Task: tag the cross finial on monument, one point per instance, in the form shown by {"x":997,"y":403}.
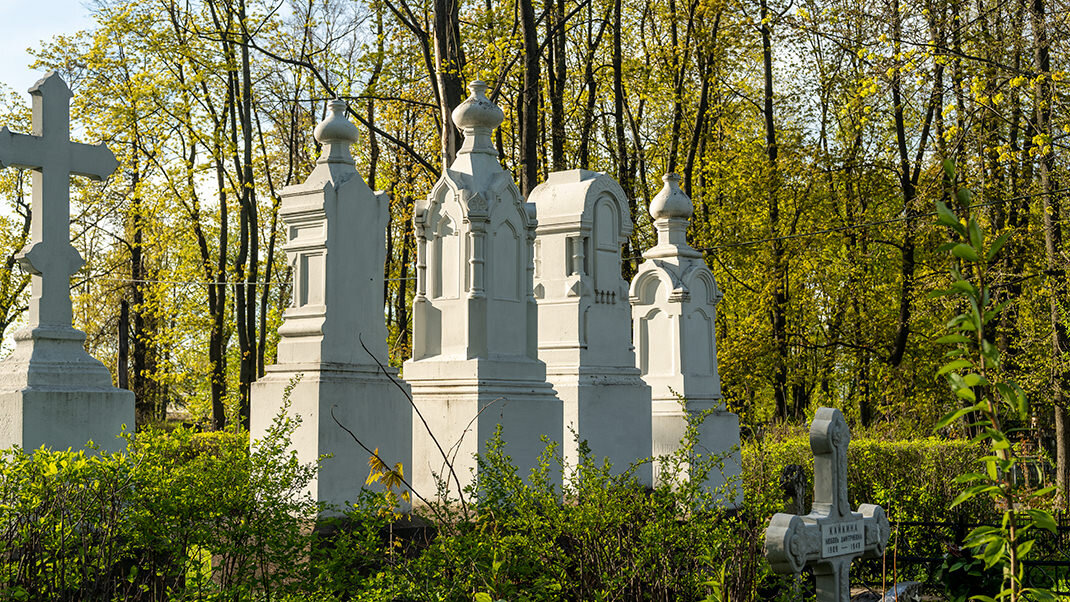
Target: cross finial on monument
{"x":48,"y":151}
{"x":831,"y":536}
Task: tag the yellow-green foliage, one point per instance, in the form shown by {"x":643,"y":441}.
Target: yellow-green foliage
{"x":913,"y":480}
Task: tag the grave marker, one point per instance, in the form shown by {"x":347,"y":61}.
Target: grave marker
{"x":831,"y":536}
{"x":333,"y":335}
{"x":52,"y":392}
{"x":585,"y":318}
{"x":674,"y":311}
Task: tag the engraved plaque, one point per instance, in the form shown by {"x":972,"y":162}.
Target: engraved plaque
{"x":840,"y":539}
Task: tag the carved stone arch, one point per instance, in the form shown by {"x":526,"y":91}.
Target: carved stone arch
{"x":645,"y":285}
{"x":710,"y":292}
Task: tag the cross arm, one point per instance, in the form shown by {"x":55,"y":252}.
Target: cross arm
{"x":19,"y":150}
{"x":877,"y":529}
{"x":94,"y":161}
{"x":791,"y":543}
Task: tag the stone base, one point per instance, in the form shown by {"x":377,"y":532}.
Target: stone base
{"x":61,"y":418}
{"x":463,"y":415}
{"x":362,"y":398}
{"x":54,"y":394}
{"x":718,"y":435}
{"x":611,"y":412}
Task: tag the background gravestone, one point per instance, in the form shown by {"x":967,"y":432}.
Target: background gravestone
{"x":475,"y":357}
{"x":674,"y":309}
{"x":832,"y":535}
{"x":585,"y":318}
{"x":333,"y":336}
{"x":52,"y":392}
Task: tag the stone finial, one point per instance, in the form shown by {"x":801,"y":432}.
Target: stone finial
{"x":671,"y":202}
{"x":336,"y":133}
{"x":671,"y":209}
{"x":477,"y":117}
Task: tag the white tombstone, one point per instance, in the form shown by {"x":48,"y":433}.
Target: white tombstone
{"x":333,"y":336}
{"x":831,"y":536}
{"x":585,"y":318}
{"x":674,"y":309}
{"x":475,"y":358}
{"x":52,"y":392}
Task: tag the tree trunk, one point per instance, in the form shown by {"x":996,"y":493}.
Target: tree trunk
{"x":778,"y":312}
{"x":529,"y":101}
{"x":449,"y":67}
{"x":1053,"y":247}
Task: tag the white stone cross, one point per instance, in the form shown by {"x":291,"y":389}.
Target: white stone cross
{"x":50,"y":258}
{"x":831,"y":536}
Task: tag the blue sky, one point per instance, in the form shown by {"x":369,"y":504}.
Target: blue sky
{"x":27,"y":22}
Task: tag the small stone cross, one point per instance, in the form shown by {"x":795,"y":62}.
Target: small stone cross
{"x":50,"y":258}
{"x":831,"y":536}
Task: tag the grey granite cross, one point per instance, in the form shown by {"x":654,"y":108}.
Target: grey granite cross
{"x":50,"y":258}
{"x":831,"y":536}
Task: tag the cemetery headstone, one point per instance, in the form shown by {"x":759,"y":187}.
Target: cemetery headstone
{"x":475,"y":323}
{"x":585,"y":318}
{"x":832,"y":535}
{"x":674,"y":311}
{"x":333,"y":336}
{"x":52,"y":392}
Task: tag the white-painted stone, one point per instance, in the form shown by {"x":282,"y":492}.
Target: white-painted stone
{"x":585,"y":318}
{"x":52,"y":392}
{"x":475,"y":358}
{"x":333,"y":336}
{"x":674,"y":310}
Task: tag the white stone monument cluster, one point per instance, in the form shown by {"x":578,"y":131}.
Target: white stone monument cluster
{"x":521,"y":319}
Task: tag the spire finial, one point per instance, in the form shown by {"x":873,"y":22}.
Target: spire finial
{"x":477,"y":117}
{"x":336,"y":133}
{"x":671,"y":202}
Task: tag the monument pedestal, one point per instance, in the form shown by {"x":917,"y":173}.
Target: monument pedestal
{"x":610,"y":410}
{"x":463,"y":402}
{"x":361,"y":398}
{"x":54,"y":394}
{"x":718,"y":435}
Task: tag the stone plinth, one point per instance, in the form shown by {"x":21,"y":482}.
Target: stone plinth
{"x":53,"y":393}
{"x":333,"y":336}
{"x":475,"y":361}
{"x":674,"y":310}
{"x":585,"y":318}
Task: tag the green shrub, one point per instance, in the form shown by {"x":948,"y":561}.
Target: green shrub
{"x":912,"y":480}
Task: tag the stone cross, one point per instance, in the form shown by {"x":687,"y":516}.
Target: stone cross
{"x":48,"y":151}
{"x":831,"y":536}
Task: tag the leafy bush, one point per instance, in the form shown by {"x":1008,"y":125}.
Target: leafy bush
{"x":186,"y":515}
{"x":177,"y":515}
{"x":912,"y":480}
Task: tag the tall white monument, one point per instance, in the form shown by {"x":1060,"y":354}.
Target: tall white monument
{"x":674,"y":309}
{"x":585,"y":318}
{"x":333,"y":336}
{"x":52,"y":392}
{"x":475,"y":361}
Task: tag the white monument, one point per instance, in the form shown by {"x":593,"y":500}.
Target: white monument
{"x":52,"y":392}
{"x":333,"y":336}
{"x":475,"y":361}
{"x":831,"y":536}
{"x":585,"y":318}
{"x":674,"y":309}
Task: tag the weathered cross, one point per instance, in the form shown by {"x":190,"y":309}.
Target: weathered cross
{"x":50,"y":258}
{"x":831,"y":536}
